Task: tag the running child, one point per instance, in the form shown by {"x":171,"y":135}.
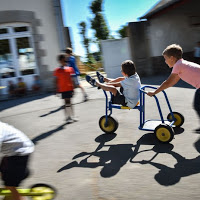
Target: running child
{"x":129,"y":85}
{"x":71,"y":62}
{"x":64,"y":85}
{"x":182,"y":69}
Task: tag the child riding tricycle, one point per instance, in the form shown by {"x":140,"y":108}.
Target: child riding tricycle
{"x":163,"y":128}
{"x":132,"y":96}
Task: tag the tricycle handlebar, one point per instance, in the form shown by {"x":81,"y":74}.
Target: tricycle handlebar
{"x":142,"y":89}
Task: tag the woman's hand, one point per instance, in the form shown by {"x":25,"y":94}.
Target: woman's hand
{"x":150,"y":94}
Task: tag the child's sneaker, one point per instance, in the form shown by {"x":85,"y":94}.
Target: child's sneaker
{"x":90,"y":80}
{"x":100,"y":77}
{"x":69,"y":120}
{"x":85,"y":97}
{"x":75,"y":119}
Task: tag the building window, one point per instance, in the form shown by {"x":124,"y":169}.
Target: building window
{"x":7,"y":68}
{"x":21,"y":29}
{"x":3,"y":30}
{"x":17,"y":56}
{"x":26,"y":56}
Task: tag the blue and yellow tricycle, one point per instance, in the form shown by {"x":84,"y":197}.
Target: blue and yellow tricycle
{"x":163,"y":128}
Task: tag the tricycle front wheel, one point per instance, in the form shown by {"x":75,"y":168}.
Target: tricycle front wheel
{"x":164,"y":133}
{"x":109,"y":126}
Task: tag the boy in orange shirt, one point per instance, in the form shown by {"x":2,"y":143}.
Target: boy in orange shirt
{"x":64,"y":85}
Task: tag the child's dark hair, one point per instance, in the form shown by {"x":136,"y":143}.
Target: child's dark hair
{"x":128,"y":67}
{"x":61,"y":56}
{"x":68,"y":50}
{"x":173,"y":50}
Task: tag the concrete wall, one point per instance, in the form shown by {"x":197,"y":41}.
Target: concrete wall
{"x":174,"y":26}
{"x":114,"y":53}
{"x":139,"y":46}
{"x":179,"y":24}
{"x":42,"y":16}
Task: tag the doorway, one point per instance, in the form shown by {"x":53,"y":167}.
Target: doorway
{"x":17,"y":55}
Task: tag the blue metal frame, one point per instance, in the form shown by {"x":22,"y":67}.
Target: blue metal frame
{"x":140,"y":107}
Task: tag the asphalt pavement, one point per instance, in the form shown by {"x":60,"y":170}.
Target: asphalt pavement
{"x":83,"y":163}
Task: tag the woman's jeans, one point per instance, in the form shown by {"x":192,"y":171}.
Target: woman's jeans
{"x":197,"y":101}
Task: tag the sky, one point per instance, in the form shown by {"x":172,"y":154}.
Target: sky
{"x":116,"y":13}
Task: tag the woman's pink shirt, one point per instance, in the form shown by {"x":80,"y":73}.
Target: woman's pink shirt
{"x":188,"y":72}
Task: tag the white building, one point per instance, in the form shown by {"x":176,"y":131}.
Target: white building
{"x":31,"y":36}
{"x":168,"y":22}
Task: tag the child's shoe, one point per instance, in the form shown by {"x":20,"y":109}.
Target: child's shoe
{"x":90,"y":80}
{"x":85,"y":97}
{"x":75,"y":119}
{"x":100,"y":77}
{"x":69,"y":120}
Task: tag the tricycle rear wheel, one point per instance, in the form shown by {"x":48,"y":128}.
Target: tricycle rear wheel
{"x":179,"y":118}
{"x":164,"y":133}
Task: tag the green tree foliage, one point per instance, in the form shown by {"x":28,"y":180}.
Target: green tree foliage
{"x":98,"y":23}
{"x":123,"y":32}
{"x":96,"y":6}
{"x":86,"y":40}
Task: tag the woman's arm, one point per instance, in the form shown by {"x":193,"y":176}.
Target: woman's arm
{"x":172,"y":80}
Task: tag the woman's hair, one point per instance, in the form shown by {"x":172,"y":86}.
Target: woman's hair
{"x":68,"y":50}
{"x":128,"y":67}
{"x":173,"y":50}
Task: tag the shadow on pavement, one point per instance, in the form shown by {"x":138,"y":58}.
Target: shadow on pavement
{"x":49,"y":133}
{"x":118,"y":155}
{"x":105,"y":157}
{"x":170,"y":175}
{"x":58,"y":109}
{"x":53,"y":111}
{"x":111,"y":160}
{"x":15,"y":102}
{"x":178,"y":130}
{"x":197,"y":145}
